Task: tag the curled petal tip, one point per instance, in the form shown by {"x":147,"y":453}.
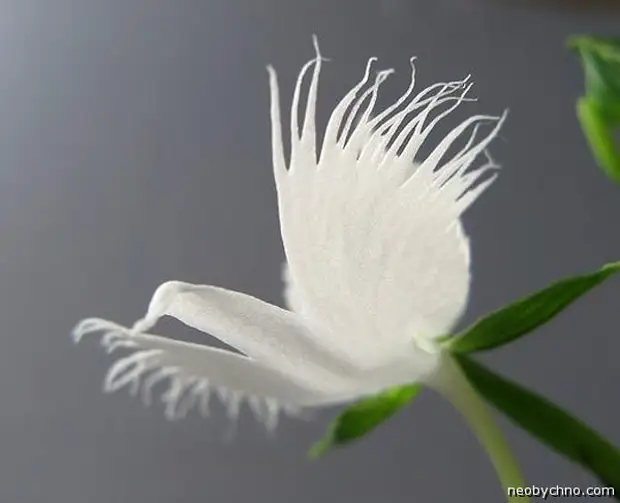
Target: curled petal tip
{"x":77,"y":333}
{"x":369,"y":64}
{"x":384,"y":74}
{"x":87,"y":326}
{"x":129,"y":369}
{"x":151,"y":380}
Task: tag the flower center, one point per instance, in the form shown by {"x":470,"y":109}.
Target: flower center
{"x":426,"y":344}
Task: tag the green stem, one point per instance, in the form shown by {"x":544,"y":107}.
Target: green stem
{"x":454,"y":386}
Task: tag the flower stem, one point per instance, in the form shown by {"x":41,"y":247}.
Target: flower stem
{"x":454,"y":386}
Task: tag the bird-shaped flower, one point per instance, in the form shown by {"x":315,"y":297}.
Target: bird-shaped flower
{"x":377,"y":262}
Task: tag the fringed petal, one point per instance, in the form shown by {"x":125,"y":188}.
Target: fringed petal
{"x":193,"y":371}
{"x":266,"y":333}
{"x":374,"y":244}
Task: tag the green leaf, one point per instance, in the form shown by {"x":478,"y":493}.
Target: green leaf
{"x":523,"y":316}
{"x":599,"y":110}
{"x":599,"y":133}
{"x":363,"y":417}
{"x":600,"y":57}
{"x":547,"y":422}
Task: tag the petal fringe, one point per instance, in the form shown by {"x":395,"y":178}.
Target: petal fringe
{"x":371,"y":226}
{"x":193,"y":372}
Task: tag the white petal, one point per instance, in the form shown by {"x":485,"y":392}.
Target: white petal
{"x":279,"y":163}
{"x":193,"y":370}
{"x":268,"y":334}
{"x":291,"y":296}
{"x":375,"y":248}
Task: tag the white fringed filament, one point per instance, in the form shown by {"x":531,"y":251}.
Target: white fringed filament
{"x":391,"y":139}
{"x":141,"y":370}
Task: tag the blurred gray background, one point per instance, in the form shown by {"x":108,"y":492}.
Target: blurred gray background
{"x":134,"y":149}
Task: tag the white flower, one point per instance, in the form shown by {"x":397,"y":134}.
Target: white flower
{"x":377,"y":263}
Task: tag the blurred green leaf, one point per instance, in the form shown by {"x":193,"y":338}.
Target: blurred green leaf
{"x":363,"y":417}
{"x":600,"y":135}
{"x":547,"y":422}
{"x":600,"y":57}
{"x":523,"y":316}
{"x":599,"y":110}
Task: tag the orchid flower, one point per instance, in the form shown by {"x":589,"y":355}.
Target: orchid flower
{"x":377,"y":266}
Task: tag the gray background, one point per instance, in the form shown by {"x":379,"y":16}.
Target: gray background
{"x":134,"y":149}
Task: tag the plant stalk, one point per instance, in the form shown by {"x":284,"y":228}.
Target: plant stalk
{"x":452,"y":384}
